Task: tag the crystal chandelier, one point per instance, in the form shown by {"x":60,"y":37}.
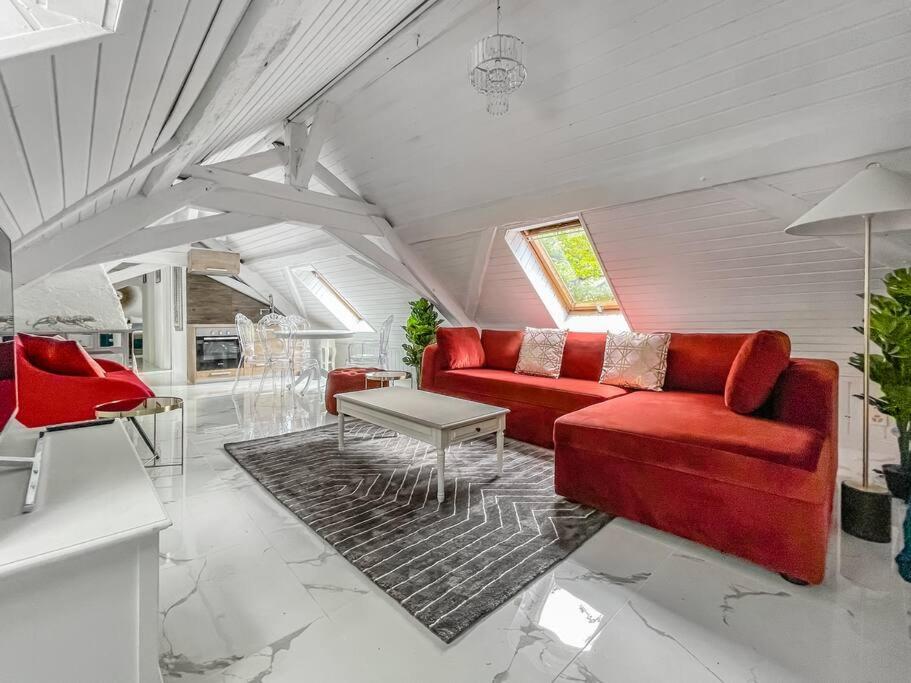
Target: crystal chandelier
{"x":496,"y":68}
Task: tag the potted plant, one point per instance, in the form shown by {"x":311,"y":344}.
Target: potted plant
{"x":890,"y":330}
{"x":420,"y":332}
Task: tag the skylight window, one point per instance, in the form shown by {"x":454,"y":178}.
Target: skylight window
{"x":570,"y":262}
{"x":332,"y":299}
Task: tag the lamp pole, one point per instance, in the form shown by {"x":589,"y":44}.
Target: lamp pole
{"x":868,"y":244}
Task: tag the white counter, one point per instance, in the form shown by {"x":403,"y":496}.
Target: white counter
{"x":79,"y":575}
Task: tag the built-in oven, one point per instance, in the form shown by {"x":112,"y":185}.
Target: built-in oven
{"x":215,"y":352}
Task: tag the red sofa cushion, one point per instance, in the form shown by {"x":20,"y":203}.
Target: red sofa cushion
{"x":7,"y":360}
{"x":689,"y":431}
{"x":59,"y":356}
{"x":501,"y":348}
{"x":701,"y":362}
{"x":583,"y":355}
{"x":564,"y":393}
{"x":756,"y":369}
{"x":461,"y":347}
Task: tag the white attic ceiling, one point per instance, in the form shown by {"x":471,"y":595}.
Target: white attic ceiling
{"x":78,"y":115}
{"x":619,"y":92}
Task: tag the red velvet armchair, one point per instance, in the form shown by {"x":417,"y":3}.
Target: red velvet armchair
{"x":59,"y":382}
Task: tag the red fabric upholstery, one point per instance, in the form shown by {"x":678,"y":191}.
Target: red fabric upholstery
{"x":759,"y":486}
{"x":501,"y":348}
{"x":7,"y":400}
{"x":341,"y":380}
{"x":756,"y":369}
{"x":7,"y":382}
{"x":691,"y":431}
{"x":461,"y":347}
{"x":701,"y":362}
{"x":583,"y":355}
{"x":59,"y":356}
{"x":563,"y":394}
{"x":7,"y":360}
{"x":47,"y":398}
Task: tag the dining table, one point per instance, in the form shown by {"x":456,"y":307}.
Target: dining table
{"x":317,"y":334}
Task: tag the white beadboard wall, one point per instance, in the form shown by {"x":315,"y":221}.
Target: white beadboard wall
{"x":80,"y":114}
{"x":374,"y":297}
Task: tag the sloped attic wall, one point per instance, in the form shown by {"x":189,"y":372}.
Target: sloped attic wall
{"x":374,"y":296}
{"x":707,"y":260}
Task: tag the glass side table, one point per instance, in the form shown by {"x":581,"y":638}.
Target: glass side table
{"x":385,"y":377}
{"x":132,"y":408}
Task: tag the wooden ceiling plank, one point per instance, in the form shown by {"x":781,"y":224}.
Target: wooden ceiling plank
{"x":115,"y":69}
{"x":156,"y":44}
{"x":75,"y":82}
{"x":261,"y":35}
{"x":29,"y":84}
{"x":186,"y":50}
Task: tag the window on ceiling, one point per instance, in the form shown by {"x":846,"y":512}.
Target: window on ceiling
{"x":342,"y":309}
{"x":571,"y":264}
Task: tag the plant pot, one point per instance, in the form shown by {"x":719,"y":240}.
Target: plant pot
{"x":898,"y":481}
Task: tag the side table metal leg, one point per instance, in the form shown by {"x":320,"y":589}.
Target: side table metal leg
{"x":441,"y":469}
{"x":183,"y":445}
{"x":341,"y":432}
{"x":142,"y":433}
{"x":155,"y":436}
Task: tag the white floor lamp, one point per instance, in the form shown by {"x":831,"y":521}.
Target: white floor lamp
{"x":875,"y":200}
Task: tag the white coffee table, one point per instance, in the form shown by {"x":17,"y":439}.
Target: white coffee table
{"x":431,"y":418}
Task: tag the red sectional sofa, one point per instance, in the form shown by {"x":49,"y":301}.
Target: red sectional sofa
{"x":759,"y":485}
{"x":59,"y":382}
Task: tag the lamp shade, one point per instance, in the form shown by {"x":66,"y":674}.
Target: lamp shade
{"x":875,"y":191}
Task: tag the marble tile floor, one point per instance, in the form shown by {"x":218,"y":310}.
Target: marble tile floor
{"x":248,"y":593}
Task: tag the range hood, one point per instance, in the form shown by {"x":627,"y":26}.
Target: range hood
{"x":213,"y":262}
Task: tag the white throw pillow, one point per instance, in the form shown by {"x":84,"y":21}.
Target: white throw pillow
{"x":542,"y":352}
{"x":635,"y":360}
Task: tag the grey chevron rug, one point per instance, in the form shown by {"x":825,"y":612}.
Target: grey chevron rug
{"x":451,"y":563}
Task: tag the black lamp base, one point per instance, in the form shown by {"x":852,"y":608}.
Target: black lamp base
{"x":866,"y":512}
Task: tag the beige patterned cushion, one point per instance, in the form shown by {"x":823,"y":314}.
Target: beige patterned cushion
{"x":542,"y":352}
{"x":635,"y":360}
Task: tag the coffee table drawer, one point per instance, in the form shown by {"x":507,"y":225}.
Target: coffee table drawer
{"x":477,"y":429}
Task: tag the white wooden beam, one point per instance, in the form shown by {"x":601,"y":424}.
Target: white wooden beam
{"x":295,"y":292}
{"x":419,"y":29}
{"x":304,"y":144}
{"x":418,"y":276}
{"x":236,"y":192}
{"x":269,"y":188}
{"x":445,"y":301}
{"x":52,"y":224}
{"x":57,"y":250}
{"x":128,"y":273}
{"x":285,"y":210}
{"x":478,"y":271}
{"x":332,"y":183}
{"x":264,"y":31}
{"x":254,"y":163}
{"x":167,"y":235}
{"x":165,"y":257}
{"x":370,"y":251}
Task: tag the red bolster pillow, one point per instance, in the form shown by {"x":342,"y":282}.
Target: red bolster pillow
{"x":756,"y":369}
{"x":461,"y":347}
